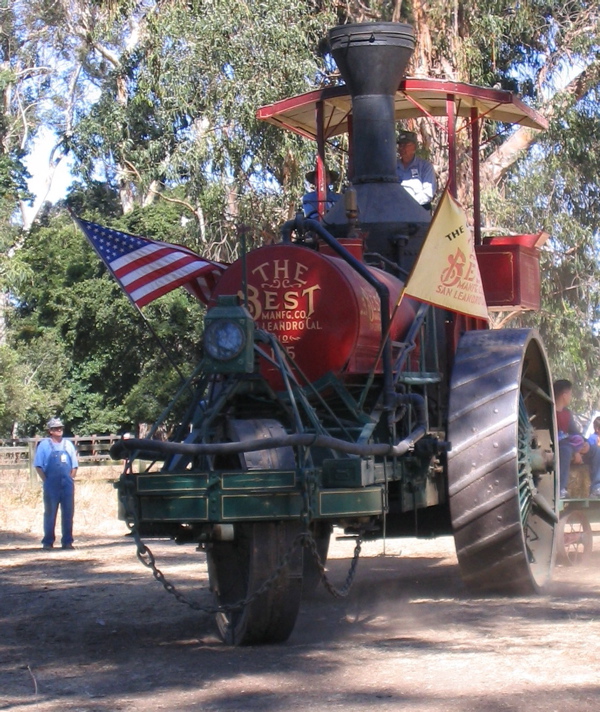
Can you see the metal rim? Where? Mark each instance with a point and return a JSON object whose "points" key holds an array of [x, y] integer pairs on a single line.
{"points": [[502, 482], [575, 539]]}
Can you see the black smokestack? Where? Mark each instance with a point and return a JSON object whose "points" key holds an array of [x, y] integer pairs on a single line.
{"points": [[372, 59]]}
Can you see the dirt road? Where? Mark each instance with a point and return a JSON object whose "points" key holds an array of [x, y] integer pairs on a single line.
{"points": [[91, 630]]}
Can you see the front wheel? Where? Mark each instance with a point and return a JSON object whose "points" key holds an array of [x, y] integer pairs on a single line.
{"points": [[238, 569], [501, 473]]}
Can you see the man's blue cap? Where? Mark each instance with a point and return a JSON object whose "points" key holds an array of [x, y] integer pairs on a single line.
{"points": [[407, 137]]}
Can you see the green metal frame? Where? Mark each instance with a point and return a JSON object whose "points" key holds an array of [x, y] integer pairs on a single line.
{"points": [[245, 496], [202, 491]]}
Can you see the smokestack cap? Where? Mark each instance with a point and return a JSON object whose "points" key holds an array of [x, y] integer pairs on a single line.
{"points": [[372, 56]]}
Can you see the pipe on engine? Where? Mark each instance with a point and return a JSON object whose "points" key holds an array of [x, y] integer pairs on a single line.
{"points": [[124, 448]]}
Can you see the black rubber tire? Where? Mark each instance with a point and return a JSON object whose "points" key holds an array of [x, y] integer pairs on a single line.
{"points": [[502, 482], [311, 576], [575, 539], [240, 567]]}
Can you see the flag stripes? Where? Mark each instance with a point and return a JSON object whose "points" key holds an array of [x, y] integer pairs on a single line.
{"points": [[146, 269]]}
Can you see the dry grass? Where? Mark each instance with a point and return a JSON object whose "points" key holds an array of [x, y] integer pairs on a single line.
{"points": [[22, 508]]}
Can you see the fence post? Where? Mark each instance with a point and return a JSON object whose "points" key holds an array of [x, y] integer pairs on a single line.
{"points": [[34, 479]]}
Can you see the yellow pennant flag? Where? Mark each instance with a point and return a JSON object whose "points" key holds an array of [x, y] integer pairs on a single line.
{"points": [[446, 273]]}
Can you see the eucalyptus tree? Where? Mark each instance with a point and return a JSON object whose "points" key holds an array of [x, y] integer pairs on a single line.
{"points": [[556, 190], [175, 87], [157, 98], [548, 53]]}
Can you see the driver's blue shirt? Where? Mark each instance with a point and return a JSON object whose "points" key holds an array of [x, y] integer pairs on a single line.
{"points": [[418, 179]]}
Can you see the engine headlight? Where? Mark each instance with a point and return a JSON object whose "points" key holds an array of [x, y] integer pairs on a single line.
{"points": [[228, 337], [224, 340]]}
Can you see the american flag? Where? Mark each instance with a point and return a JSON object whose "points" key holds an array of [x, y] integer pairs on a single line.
{"points": [[147, 269]]}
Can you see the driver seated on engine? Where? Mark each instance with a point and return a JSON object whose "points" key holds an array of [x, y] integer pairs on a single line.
{"points": [[310, 201], [416, 174]]}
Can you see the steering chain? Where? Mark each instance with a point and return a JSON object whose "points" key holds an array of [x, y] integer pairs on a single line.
{"points": [[304, 539]]}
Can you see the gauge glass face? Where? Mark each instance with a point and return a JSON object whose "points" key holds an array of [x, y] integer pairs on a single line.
{"points": [[224, 340]]}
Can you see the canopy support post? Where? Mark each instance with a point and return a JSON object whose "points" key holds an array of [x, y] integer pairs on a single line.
{"points": [[320, 170], [475, 127], [451, 114]]}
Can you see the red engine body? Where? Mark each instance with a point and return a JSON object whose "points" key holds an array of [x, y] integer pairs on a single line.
{"points": [[325, 314]]}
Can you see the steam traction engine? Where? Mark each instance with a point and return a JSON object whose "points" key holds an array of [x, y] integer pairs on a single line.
{"points": [[324, 399]]}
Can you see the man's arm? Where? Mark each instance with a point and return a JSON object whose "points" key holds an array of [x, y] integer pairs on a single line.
{"points": [[73, 457], [40, 460], [429, 180], [422, 187]]}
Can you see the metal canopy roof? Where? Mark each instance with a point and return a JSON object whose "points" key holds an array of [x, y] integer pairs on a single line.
{"points": [[415, 97]]}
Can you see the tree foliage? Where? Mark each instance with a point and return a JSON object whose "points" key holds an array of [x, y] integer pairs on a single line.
{"points": [[555, 191], [74, 315], [155, 100]]}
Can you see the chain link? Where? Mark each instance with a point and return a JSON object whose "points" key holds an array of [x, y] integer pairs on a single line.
{"points": [[147, 558], [310, 543], [304, 539]]}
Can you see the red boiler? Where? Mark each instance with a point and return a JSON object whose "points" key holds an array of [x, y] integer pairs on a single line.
{"points": [[324, 313]]}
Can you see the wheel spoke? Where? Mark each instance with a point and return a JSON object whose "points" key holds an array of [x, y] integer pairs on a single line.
{"points": [[526, 485], [534, 388], [575, 538], [543, 509]]}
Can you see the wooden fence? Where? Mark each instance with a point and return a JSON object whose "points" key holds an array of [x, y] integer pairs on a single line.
{"points": [[92, 451]]}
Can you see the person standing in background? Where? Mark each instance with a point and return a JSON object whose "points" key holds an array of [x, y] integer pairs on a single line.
{"points": [[56, 464]]}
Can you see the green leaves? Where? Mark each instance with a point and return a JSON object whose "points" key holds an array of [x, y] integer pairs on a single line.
{"points": [[554, 191], [178, 108], [156, 102], [77, 343]]}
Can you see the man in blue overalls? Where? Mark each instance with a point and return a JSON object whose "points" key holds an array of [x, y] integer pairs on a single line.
{"points": [[56, 464]]}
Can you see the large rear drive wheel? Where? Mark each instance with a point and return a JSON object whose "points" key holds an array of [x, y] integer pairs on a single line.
{"points": [[501, 473]]}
